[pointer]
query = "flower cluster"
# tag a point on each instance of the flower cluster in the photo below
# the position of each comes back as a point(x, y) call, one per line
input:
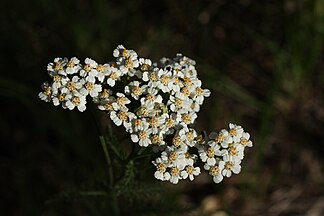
point(157, 104)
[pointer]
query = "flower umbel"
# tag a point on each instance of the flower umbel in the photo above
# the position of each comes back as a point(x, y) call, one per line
point(157, 104)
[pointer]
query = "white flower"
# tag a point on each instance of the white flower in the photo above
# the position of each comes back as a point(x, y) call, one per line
point(121, 102)
point(61, 98)
point(134, 89)
point(199, 94)
point(145, 64)
point(89, 68)
point(146, 109)
point(73, 66)
point(188, 135)
point(155, 123)
point(175, 156)
point(73, 85)
point(90, 87)
point(236, 132)
point(190, 171)
point(161, 169)
point(114, 76)
point(170, 124)
point(46, 94)
point(223, 138)
point(121, 51)
point(142, 137)
point(122, 117)
point(107, 104)
point(216, 171)
point(179, 103)
point(165, 81)
point(58, 82)
point(152, 77)
point(158, 142)
point(245, 140)
point(76, 100)
point(57, 67)
point(186, 118)
point(234, 150)
point(139, 124)
point(232, 164)
point(175, 175)
point(208, 154)
point(103, 71)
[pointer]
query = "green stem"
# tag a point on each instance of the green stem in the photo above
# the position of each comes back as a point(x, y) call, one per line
point(114, 201)
point(108, 160)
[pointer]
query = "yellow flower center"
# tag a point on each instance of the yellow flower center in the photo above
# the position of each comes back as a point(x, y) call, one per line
point(57, 78)
point(87, 68)
point(173, 156)
point(214, 170)
point(175, 171)
point(138, 122)
point(187, 81)
point(229, 165)
point(150, 97)
point(89, 86)
point(71, 86)
point(76, 100)
point(123, 116)
point(244, 141)
point(145, 67)
point(101, 68)
point(165, 80)
point(199, 91)
point(129, 63)
point(232, 150)
point(169, 123)
point(58, 66)
point(161, 167)
point(154, 122)
point(125, 53)
point(210, 152)
point(186, 118)
point(70, 64)
point(108, 106)
point(114, 76)
point(61, 97)
point(176, 141)
point(142, 135)
point(220, 138)
point(153, 77)
point(121, 101)
point(190, 169)
point(233, 132)
point(156, 139)
point(178, 102)
point(185, 91)
point(190, 136)
point(137, 91)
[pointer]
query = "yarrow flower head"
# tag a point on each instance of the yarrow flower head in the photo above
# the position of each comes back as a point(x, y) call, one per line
point(157, 104)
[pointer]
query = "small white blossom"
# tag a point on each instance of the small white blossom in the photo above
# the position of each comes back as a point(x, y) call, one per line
point(76, 100)
point(90, 87)
point(89, 69)
point(190, 171)
point(73, 66)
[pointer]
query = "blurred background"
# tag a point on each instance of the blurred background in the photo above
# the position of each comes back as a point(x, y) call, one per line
point(262, 61)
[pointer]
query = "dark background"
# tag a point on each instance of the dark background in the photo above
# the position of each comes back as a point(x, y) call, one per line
point(262, 61)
